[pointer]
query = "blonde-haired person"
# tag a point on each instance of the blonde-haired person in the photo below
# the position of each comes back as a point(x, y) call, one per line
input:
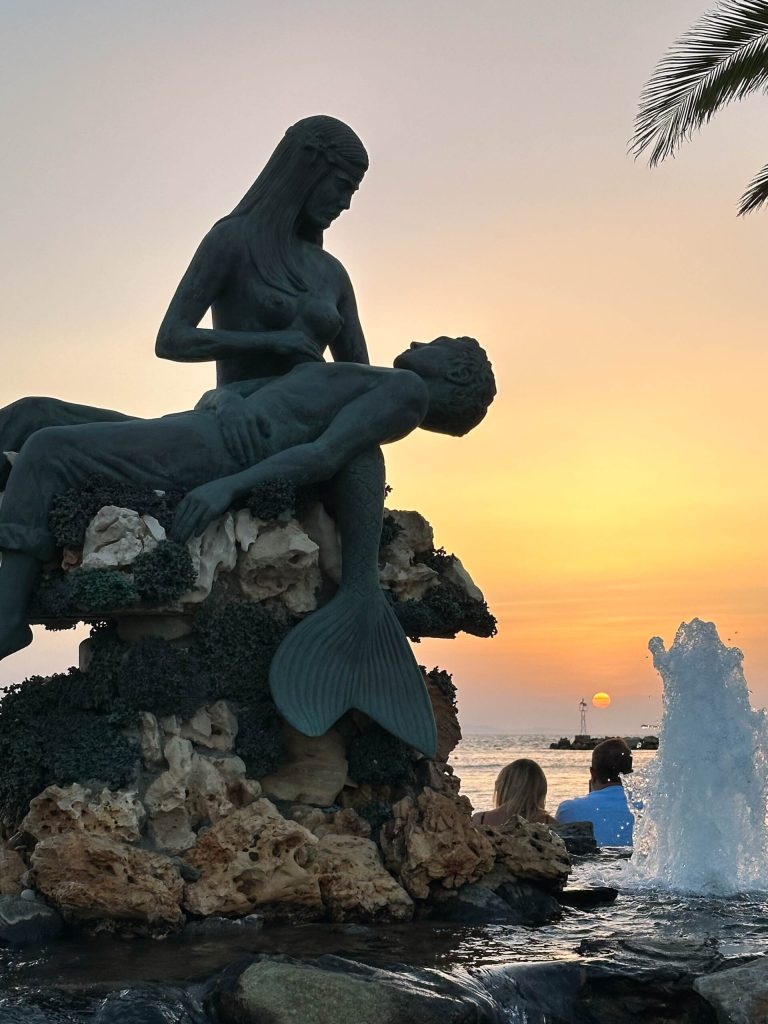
point(521, 789)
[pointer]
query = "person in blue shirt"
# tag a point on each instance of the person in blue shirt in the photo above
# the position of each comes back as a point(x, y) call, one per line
point(606, 803)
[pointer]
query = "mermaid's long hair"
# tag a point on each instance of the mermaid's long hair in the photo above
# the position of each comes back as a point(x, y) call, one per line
point(273, 205)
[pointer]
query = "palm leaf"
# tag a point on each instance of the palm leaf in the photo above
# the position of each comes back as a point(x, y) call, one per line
point(723, 57)
point(756, 194)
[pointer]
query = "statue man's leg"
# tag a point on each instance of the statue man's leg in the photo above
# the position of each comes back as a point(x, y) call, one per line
point(22, 418)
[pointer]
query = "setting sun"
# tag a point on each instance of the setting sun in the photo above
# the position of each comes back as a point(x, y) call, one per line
point(601, 700)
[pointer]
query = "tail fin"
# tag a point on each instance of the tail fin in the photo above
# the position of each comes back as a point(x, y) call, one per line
point(352, 653)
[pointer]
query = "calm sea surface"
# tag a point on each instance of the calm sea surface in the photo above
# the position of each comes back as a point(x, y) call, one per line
point(477, 760)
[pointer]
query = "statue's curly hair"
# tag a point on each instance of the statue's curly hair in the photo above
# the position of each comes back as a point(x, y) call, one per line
point(470, 389)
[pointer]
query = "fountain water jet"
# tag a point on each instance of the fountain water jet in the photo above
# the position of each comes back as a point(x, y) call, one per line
point(703, 828)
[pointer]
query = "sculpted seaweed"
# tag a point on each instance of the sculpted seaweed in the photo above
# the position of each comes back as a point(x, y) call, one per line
point(162, 575)
point(72, 511)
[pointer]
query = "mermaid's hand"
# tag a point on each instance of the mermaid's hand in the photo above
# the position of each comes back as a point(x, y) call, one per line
point(199, 508)
point(297, 347)
point(237, 425)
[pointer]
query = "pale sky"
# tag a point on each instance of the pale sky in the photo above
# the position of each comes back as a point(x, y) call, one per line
point(617, 486)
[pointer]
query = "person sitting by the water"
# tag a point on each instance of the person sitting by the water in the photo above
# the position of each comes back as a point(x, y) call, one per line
point(606, 805)
point(520, 789)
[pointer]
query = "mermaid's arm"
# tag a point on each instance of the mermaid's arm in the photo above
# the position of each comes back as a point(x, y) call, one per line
point(181, 339)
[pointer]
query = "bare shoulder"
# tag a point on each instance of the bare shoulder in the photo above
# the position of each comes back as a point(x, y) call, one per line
point(337, 272)
point(224, 240)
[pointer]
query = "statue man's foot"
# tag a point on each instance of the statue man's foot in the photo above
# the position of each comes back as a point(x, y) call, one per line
point(14, 636)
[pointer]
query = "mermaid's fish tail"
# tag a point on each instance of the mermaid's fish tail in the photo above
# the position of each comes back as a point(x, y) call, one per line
point(352, 653)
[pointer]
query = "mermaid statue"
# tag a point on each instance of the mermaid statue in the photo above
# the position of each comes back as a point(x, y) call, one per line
point(280, 411)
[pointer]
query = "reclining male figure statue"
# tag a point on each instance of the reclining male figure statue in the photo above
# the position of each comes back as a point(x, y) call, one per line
point(319, 422)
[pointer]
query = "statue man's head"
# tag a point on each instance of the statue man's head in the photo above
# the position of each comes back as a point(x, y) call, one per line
point(459, 379)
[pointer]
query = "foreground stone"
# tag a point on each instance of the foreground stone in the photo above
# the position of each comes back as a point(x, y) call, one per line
point(738, 995)
point(279, 990)
point(90, 877)
point(498, 899)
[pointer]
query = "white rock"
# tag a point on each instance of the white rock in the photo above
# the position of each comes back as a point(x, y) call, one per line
point(170, 725)
point(178, 753)
point(407, 582)
point(115, 537)
point(456, 573)
point(284, 562)
point(215, 550)
point(150, 740)
point(213, 726)
point(247, 528)
point(416, 534)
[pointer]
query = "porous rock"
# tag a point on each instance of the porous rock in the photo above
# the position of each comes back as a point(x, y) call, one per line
point(213, 726)
point(529, 850)
point(92, 877)
point(115, 538)
point(346, 822)
point(75, 808)
point(354, 885)
point(430, 841)
point(12, 867)
point(195, 790)
point(314, 770)
point(253, 858)
point(739, 995)
point(282, 561)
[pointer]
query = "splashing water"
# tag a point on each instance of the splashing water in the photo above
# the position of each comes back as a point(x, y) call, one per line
point(703, 827)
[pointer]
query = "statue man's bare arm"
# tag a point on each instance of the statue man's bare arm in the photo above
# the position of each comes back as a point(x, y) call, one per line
point(385, 414)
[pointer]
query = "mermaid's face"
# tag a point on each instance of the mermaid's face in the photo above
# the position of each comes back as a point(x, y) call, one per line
point(332, 194)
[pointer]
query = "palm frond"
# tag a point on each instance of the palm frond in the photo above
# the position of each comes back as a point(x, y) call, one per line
point(756, 194)
point(723, 57)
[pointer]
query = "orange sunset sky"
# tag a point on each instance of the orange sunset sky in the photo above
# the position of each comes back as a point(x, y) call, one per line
point(618, 485)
